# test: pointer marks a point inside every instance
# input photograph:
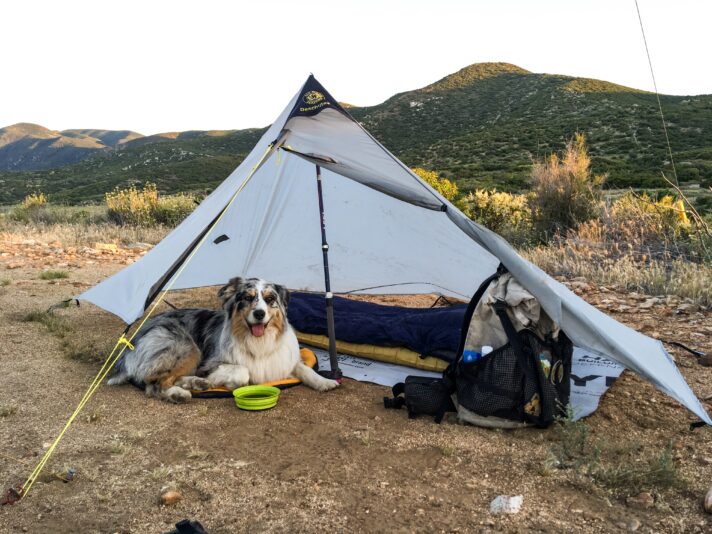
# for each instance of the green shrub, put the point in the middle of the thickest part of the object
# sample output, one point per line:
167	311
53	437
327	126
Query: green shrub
35	201
144	207
443	186
53	275
704	205
54	323
32	209
132	205
620	466
629	478
566	193
172	209
505	213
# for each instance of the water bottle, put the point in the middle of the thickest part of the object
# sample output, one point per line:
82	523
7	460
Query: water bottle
470	356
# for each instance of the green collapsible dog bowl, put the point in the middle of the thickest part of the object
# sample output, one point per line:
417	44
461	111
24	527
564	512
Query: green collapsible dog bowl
255	398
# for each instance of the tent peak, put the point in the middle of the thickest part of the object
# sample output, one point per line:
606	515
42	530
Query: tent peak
313	99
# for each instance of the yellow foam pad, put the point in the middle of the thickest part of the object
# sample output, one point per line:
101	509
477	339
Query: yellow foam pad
308	357
397	355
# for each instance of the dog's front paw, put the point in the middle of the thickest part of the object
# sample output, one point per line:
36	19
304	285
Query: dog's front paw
237	379
200	384
326	384
177	395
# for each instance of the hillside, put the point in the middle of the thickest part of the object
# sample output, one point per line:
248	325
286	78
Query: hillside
485	123
481	126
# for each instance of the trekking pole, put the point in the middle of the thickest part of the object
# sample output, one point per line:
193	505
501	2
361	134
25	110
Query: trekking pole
333	361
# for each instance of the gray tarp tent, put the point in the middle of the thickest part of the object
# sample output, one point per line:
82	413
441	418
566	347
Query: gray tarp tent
389	233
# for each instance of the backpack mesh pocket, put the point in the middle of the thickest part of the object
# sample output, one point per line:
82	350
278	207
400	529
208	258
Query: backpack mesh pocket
497	385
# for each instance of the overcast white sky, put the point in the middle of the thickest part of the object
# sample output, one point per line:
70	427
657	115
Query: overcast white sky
155	66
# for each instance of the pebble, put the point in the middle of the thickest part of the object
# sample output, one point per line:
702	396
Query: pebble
504	504
633	525
708	502
706	360
170	497
642	500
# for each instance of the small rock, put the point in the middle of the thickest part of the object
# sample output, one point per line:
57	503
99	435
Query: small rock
705	460
633	525
170	497
642	500
138	246
649	303
686	308
705	360
504	504
708	502
110	247
14	265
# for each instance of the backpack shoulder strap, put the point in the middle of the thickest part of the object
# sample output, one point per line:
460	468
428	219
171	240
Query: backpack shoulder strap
471	308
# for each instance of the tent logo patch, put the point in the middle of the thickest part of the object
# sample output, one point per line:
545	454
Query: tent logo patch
313	97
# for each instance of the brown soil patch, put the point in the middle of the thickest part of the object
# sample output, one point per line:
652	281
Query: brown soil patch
317	462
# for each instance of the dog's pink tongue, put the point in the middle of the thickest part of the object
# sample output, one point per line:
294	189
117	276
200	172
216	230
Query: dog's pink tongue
258	330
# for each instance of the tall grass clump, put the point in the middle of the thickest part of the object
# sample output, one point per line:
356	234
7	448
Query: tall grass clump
145	207
565	191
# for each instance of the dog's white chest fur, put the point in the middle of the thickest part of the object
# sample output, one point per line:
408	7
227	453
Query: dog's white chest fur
269	357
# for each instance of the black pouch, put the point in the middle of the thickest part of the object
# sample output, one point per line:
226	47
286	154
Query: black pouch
422	395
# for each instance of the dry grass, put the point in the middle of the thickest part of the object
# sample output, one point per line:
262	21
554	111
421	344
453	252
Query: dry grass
654	277
81	234
53	275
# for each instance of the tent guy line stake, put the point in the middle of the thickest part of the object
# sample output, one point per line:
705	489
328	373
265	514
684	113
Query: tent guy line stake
122	343
333	360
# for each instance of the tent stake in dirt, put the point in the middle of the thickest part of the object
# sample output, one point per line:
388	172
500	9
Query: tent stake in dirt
333	360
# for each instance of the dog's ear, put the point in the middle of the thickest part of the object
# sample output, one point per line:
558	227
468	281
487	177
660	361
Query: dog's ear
283	293
229	289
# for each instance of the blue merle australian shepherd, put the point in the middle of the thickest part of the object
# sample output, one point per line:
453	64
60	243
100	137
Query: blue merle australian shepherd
249	341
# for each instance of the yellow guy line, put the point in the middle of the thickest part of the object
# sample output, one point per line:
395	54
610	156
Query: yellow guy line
123	342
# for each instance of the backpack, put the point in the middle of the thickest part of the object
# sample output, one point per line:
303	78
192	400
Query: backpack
524	382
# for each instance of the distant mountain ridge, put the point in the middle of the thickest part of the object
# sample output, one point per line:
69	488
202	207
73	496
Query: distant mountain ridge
481	126
31	147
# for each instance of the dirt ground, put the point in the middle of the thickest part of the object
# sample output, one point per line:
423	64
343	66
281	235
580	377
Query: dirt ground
335	461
